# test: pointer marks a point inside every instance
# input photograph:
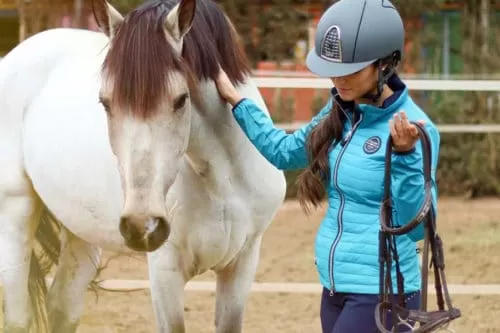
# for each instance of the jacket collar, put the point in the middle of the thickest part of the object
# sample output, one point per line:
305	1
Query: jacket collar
372	113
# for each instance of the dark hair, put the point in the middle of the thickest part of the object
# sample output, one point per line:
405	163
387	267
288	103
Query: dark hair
311	182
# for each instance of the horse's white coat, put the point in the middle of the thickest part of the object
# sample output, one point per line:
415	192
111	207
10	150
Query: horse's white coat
53	129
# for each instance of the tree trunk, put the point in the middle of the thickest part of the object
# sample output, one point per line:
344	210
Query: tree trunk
77	14
22	19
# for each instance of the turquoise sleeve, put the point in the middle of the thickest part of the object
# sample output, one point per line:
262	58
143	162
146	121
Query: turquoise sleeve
285	151
407	183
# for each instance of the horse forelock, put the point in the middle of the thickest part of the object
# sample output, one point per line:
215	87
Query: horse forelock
139	61
140	58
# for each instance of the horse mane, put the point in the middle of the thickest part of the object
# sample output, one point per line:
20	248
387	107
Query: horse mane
140	57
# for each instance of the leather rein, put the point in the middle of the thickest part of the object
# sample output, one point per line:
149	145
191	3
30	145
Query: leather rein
428	321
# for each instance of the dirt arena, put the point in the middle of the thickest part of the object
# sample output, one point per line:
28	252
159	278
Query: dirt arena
470	230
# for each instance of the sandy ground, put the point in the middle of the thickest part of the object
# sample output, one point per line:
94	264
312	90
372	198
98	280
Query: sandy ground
470	231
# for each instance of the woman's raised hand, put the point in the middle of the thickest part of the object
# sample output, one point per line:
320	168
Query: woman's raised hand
404	134
226	88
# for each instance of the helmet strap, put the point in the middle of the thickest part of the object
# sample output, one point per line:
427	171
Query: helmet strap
383	76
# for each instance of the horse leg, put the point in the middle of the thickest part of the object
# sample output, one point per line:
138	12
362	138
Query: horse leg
19	217
167	279
16	239
233	288
77	268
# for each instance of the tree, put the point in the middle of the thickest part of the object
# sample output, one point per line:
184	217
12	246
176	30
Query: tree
469	163
269	31
124	6
243	16
280	27
481	56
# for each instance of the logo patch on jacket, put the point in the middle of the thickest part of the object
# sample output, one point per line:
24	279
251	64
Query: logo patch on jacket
372	145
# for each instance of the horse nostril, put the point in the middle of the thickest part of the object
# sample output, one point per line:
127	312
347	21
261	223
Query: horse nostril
163	227
128	229
157	233
144	233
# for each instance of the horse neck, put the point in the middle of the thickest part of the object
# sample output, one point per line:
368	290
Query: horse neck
217	145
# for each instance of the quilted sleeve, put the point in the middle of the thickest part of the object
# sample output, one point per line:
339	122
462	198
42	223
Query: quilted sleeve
285	151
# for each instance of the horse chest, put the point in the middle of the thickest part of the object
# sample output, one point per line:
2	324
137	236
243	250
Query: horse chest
214	227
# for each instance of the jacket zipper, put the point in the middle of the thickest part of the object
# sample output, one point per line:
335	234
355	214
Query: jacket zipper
346	141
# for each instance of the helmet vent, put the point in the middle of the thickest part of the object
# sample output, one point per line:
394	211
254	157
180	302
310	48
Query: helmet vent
331	49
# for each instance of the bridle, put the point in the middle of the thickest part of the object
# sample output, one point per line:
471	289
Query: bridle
429	321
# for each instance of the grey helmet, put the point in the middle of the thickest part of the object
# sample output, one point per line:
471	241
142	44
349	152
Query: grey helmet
353	34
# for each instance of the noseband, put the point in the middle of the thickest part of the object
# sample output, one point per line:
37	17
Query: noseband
429	321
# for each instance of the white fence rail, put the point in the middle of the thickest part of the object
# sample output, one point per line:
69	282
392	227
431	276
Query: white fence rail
288	287
412	84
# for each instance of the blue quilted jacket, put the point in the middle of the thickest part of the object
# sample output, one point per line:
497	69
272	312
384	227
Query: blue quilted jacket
346	245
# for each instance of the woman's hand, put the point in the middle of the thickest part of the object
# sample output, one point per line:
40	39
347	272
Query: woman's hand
226	89
404	134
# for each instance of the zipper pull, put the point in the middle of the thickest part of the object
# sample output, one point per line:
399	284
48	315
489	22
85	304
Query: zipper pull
332	291
346	138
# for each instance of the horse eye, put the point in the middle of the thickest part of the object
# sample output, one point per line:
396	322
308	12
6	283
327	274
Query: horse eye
105	104
180	102
107	108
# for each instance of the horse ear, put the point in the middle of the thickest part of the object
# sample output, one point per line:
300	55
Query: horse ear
180	19
106	16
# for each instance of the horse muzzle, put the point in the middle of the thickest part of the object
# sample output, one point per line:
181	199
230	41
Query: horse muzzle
144	233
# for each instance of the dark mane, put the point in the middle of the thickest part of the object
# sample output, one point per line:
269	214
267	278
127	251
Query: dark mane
140	56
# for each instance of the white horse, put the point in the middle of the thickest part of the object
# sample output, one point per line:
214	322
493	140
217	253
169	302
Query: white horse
123	139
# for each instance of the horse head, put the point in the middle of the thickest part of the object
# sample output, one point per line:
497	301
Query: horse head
145	92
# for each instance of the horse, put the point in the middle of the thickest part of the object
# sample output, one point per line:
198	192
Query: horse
118	139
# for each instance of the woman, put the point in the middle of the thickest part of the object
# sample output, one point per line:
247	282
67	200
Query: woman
358	45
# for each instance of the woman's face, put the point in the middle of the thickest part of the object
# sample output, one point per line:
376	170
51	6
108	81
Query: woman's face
353	86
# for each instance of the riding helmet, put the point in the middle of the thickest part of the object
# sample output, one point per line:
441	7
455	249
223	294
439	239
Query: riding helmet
353	34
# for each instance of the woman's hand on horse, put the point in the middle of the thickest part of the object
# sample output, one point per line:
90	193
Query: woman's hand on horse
226	88
404	134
